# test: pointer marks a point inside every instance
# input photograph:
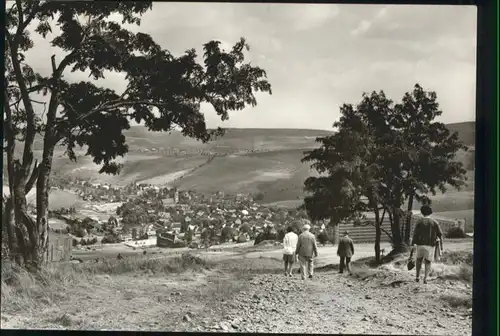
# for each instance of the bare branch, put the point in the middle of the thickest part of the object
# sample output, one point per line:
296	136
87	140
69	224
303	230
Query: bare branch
16	103
53	62
33	178
22	24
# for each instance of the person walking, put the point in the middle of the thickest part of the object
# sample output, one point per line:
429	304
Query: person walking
306	250
345	251
289	247
425	236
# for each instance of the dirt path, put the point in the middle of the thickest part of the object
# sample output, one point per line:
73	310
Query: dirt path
335	303
250	294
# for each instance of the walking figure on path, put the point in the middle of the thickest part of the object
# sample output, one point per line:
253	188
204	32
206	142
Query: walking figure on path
425	237
306	250
289	246
345	251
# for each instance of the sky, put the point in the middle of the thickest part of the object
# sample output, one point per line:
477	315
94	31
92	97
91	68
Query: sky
320	56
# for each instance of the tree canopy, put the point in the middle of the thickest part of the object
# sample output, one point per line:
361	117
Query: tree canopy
162	91
381	155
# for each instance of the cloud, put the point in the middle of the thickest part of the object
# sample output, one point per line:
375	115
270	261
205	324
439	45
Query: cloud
363	27
312	15
319	56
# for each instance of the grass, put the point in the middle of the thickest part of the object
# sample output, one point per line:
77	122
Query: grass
457	300
22	290
457	258
454	265
245	173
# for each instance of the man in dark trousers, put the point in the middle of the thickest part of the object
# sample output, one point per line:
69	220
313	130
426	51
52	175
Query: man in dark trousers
306	249
345	251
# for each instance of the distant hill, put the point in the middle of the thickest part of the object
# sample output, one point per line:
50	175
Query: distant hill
259	161
466	131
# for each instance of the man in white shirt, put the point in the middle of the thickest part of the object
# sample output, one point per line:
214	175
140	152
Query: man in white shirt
289	246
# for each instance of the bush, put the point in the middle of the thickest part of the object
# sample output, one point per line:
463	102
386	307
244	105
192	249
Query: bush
268	235
188	236
457	258
75	242
259	196
110	239
244	228
226	234
242	238
456	232
323	238
281	234
78	231
89	241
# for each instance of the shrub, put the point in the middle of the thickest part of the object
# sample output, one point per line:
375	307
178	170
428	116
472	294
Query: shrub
455	232
78	231
457	300
110	239
244	228
243	238
322	237
89	241
226	233
281	234
75	242
258	196
457	258
188	236
267	235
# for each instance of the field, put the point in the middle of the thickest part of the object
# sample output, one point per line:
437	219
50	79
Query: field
259	161
243	290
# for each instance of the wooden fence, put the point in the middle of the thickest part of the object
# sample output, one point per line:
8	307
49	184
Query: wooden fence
365	233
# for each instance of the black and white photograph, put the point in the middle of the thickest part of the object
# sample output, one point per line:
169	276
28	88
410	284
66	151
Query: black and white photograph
238	167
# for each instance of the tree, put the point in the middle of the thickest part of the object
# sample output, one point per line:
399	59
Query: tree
162	92
226	234
244	228
188	236
381	156
429	148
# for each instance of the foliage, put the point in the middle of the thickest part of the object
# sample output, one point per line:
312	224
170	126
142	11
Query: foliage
243	238
161	91
267	234
456	233
381	155
184	226
226	234
323	237
88	241
281	233
78	231
258	196
188	236
111	239
457	258
244	228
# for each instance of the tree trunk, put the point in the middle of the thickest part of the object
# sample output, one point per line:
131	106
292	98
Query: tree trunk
378	234
24	233
333	229
395	218
8	223
42	200
408	220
